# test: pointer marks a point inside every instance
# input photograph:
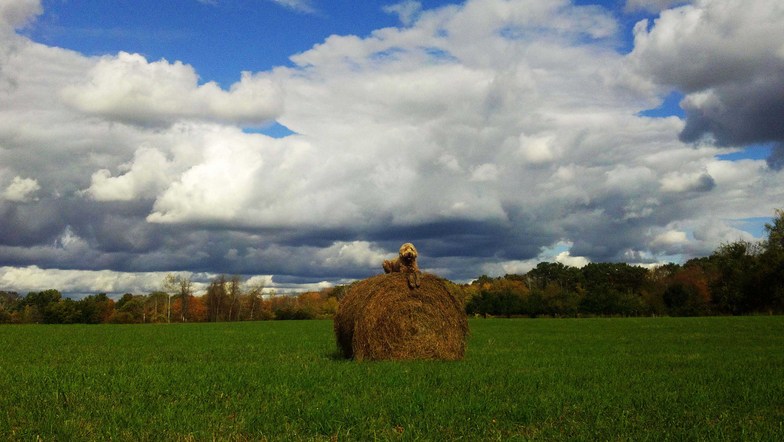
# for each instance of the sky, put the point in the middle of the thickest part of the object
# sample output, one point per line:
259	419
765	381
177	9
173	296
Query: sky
299	143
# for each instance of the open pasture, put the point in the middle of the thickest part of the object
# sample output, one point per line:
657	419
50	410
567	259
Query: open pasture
621	379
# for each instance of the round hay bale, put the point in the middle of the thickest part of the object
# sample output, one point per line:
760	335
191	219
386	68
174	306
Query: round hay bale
382	318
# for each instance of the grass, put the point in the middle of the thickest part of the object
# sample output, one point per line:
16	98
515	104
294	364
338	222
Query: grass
583	379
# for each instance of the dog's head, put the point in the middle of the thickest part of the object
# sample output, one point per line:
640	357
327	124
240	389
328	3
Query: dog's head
408	253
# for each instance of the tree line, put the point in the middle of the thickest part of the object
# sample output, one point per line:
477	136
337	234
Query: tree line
738	278
225	299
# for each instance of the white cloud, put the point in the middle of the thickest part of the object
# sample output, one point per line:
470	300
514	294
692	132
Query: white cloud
128	88
87	282
217	188
726	56
537	149
723	40
17	13
558	252
490	131
407	11
687	181
670	238
347	254
21	189
145	177
567	259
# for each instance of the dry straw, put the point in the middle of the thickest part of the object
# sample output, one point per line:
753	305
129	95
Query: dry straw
382	318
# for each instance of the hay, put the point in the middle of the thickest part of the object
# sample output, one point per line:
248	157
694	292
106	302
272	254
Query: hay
381	318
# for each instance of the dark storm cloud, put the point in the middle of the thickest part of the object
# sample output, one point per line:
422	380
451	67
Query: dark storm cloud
726	56
738	114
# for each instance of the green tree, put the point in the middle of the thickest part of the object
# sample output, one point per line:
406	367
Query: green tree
96	309
768	283
65	311
735	267
613	289
35	304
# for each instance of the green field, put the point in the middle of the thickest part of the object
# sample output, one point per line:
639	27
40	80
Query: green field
620	379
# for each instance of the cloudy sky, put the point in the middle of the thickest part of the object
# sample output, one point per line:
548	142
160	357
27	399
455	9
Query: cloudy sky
300	142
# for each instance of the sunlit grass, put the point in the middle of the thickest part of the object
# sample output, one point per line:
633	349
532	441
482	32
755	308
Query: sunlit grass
638	379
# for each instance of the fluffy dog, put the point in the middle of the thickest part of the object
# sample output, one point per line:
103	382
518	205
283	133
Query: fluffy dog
405	263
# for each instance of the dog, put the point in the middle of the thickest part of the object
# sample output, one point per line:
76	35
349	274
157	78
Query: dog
405	263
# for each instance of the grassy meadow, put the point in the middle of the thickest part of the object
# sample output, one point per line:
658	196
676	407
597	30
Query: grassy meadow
620	379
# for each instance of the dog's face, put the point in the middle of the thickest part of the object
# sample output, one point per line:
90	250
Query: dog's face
408	253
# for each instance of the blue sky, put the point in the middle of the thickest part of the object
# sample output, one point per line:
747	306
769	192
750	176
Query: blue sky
219	38
300	142
222	38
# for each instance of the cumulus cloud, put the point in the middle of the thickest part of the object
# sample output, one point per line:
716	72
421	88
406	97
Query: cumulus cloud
355	253
407	11
492	135
128	88
670	242
21	189
144	178
34	278
683	182
17	13
726	56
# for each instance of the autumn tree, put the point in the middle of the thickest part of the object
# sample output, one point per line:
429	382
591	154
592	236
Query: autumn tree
9	302
687	291
253	298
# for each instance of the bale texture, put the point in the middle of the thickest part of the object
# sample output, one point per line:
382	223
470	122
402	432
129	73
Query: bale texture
382	318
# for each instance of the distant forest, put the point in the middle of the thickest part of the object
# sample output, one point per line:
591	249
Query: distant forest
738	278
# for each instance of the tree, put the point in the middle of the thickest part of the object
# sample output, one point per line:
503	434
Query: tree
157	307
546	273
253	299
216	298
770	279
130	309
775	242
686	293
96	309
234	293
65	311
179	287
613	289
502	296
35	304
9	303
735	267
